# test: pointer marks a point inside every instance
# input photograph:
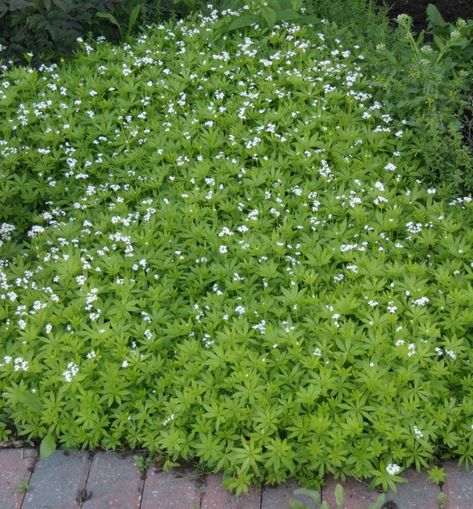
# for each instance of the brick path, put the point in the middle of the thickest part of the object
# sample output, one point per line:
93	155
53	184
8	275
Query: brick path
112	481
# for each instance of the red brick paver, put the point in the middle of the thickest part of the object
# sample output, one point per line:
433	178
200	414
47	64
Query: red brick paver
57	481
216	497
66	480
114	483
15	467
357	495
458	487
176	489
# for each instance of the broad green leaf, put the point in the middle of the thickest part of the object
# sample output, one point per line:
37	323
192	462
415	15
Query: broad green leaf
275	5
110	17
47	446
296	5
314	495
243	22
378	503
30	400
133	17
339	496
288	15
434	17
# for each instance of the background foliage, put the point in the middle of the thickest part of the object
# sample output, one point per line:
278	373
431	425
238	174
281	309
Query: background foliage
50	28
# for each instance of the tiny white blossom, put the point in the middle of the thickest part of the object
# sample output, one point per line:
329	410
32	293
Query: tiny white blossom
393	469
422	301
70	372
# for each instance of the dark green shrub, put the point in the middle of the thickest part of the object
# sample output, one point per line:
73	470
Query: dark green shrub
50	28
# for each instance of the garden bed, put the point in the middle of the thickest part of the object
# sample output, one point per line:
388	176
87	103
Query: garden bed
222	247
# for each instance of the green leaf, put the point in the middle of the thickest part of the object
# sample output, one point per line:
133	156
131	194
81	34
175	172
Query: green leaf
314	495
296	4
439	42
339	495
30	400
133	17
275	5
270	16
288	15
297	504
309	20
242	22
48	446
111	18
378	503
434	18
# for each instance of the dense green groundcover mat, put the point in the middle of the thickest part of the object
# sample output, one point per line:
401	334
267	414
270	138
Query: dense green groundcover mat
235	263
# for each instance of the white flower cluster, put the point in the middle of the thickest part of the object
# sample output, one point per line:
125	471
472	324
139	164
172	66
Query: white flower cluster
6	230
71	371
19	364
393	469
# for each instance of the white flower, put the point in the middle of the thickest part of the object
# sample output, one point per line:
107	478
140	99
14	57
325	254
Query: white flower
225	231
393	469
70	372
451	353
260	327
124	364
240	310
422	301
222	249
380	199
19	364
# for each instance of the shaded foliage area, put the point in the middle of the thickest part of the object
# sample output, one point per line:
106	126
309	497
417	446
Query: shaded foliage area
50	28
451	10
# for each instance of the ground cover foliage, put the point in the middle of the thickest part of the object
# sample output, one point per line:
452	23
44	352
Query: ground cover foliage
215	247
